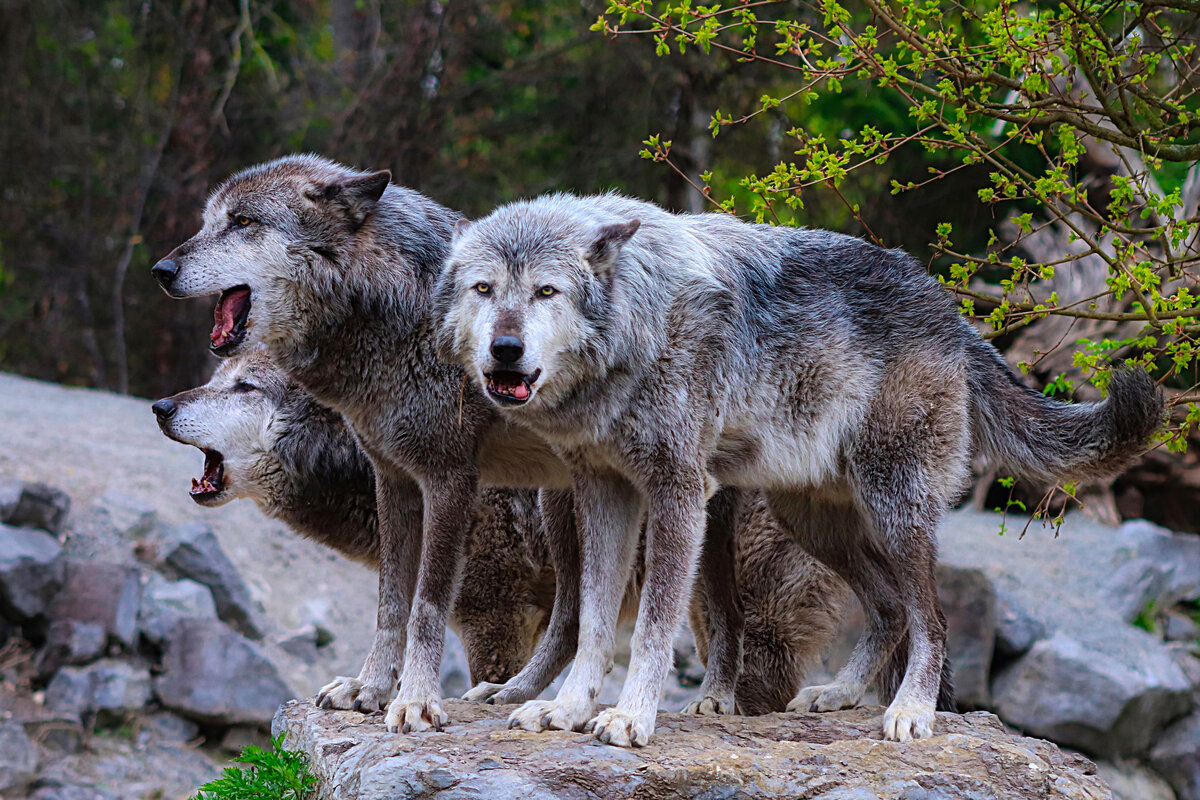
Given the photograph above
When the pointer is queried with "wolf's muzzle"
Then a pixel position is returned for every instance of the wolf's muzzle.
(507, 349)
(164, 409)
(164, 272)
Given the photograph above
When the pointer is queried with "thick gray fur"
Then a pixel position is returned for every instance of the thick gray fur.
(666, 356)
(298, 461)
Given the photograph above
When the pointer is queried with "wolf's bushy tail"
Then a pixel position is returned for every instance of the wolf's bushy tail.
(1042, 438)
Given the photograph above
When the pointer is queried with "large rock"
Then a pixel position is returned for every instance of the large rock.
(213, 674)
(103, 594)
(69, 642)
(164, 602)
(1091, 695)
(193, 552)
(33, 505)
(1176, 757)
(30, 572)
(837, 756)
(105, 687)
(18, 756)
(970, 609)
(1075, 670)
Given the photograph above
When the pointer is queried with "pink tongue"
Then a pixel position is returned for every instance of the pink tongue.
(521, 391)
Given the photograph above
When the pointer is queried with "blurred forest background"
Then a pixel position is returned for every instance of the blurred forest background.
(120, 115)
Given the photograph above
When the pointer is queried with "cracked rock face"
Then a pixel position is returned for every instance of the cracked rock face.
(837, 756)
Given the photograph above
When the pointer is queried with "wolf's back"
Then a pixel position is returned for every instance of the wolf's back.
(1039, 437)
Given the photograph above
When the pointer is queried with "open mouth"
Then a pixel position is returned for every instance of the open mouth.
(511, 388)
(212, 482)
(229, 320)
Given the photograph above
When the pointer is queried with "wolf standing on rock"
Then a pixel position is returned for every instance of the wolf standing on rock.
(333, 270)
(663, 356)
(266, 439)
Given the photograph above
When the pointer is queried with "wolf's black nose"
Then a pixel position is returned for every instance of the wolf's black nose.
(164, 409)
(164, 272)
(507, 349)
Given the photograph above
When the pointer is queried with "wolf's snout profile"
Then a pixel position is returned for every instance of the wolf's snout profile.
(164, 272)
(164, 409)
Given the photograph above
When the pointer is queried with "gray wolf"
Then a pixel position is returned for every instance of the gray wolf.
(664, 356)
(333, 271)
(264, 438)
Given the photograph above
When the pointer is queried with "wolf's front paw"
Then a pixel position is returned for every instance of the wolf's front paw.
(620, 728)
(499, 694)
(410, 714)
(354, 695)
(906, 720)
(827, 697)
(560, 714)
(482, 692)
(707, 705)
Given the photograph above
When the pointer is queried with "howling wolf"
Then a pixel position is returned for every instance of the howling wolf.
(264, 438)
(663, 356)
(333, 270)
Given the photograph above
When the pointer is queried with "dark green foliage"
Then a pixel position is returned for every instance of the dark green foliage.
(274, 774)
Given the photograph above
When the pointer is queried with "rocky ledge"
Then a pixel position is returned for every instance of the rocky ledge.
(835, 756)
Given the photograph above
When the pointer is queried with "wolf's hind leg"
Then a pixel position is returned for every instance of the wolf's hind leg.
(836, 534)
(558, 643)
(399, 502)
(716, 590)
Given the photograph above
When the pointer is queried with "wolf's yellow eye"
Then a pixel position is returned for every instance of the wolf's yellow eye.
(483, 288)
(547, 291)
(242, 221)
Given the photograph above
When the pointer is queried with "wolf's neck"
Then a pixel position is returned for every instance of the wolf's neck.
(358, 318)
(336, 514)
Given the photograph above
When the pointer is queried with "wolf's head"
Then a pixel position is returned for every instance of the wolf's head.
(262, 227)
(522, 299)
(233, 420)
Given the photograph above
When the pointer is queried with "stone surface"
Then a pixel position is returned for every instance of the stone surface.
(171, 727)
(193, 552)
(164, 602)
(109, 685)
(18, 756)
(1074, 670)
(1179, 627)
(213, 674)
(970, 609)
(1179, 553)
(104, 594)
(1131, 781)
(1176, 756)
(1086, 695)
(33, 505)
(69, 642)
(30, 572)
(836, 756)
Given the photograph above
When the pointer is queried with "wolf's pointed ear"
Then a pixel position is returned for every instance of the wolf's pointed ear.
(460, 228)
(355, 197)
(605, 248)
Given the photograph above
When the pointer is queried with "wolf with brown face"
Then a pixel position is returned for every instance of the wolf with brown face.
(333, 271)
(264, 438)
(662, 355)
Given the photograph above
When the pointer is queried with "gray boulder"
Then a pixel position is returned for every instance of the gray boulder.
(69, 642)
(106, 687)
(970, 608)
(33, 505)
(103, 594)
(213, 674)
(192, 551)
(1176, 757)
(164, 602)
(1177, 553)
(835, 756)
(30, 572)
(1108, 696)
(18, 764)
